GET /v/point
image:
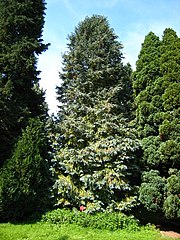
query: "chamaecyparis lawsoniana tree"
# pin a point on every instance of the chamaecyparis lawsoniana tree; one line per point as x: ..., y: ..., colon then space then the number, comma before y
x: 96, y: 154
x: 26, y: 179
x: 157, y: 98
x: 21, y: 24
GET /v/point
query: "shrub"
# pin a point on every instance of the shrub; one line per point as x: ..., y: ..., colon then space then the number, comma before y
x: 104, y: 221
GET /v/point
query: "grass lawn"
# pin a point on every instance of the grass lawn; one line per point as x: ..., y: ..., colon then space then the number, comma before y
x: 46, y: 231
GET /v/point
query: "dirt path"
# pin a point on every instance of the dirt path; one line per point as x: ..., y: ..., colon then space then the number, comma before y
x: 170, y: 234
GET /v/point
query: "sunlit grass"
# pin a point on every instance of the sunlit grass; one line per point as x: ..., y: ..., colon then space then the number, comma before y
x: 44, y: 231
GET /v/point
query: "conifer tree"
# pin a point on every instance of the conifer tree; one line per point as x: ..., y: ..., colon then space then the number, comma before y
x: 157, y: 119
x: 26, y: 178
x: 21, y: 24
x: 147, y: 71
x: 95, y: 158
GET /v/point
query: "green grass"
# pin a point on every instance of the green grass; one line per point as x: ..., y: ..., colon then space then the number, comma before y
x: 46, y: 231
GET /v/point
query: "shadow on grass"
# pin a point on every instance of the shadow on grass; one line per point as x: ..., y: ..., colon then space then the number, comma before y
x: 30, y: 219
x: 157, y: 219
x: 64, y: 238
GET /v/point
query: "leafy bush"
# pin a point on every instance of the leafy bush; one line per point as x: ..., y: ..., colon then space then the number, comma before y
x: 104, y: 221
x: 172, y: 201
x: 151, y: 192
x: 160, y: 194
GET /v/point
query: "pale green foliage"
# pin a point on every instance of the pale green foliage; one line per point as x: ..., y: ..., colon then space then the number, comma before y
x: 104, y: 221
x: 96, y: 156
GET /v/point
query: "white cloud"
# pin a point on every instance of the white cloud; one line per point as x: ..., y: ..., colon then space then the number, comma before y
x: 50, y: 63
x: 132, y: 43
x: 49, y: 67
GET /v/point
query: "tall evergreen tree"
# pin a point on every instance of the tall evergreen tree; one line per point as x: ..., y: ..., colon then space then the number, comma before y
x: 157, y: 119
x: 21, y: 24
x: 95, y: 159
x: 147, y: 71
x: 26, y: 178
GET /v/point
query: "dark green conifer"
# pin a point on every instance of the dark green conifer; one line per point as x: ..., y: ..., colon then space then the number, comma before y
x: 21, y: 24
x: 26, y: 178
x: 157, y: 98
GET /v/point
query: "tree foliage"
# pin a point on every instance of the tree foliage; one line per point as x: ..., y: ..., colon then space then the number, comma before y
x: 21, y: 24
x: 26, y: 178
x: 95, y: 158
x: 156, y: 91
x: 95, y: 145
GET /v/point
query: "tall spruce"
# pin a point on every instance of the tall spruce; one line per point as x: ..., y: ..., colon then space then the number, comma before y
x: 157, y: 98
x: 95, y: 158
x: 21, y: 24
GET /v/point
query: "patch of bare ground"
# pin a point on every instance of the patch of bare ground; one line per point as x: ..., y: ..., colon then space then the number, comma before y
x: 170, y: 234
x: 171, y: 230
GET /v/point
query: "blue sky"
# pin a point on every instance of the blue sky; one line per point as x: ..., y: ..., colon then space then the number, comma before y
x: 130, y: 19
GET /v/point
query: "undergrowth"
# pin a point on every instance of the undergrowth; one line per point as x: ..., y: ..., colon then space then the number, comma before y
x: 103, y: 221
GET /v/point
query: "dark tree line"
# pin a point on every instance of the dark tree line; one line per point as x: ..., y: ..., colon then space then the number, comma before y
x: 21, y: 24
x: 25, y: 178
